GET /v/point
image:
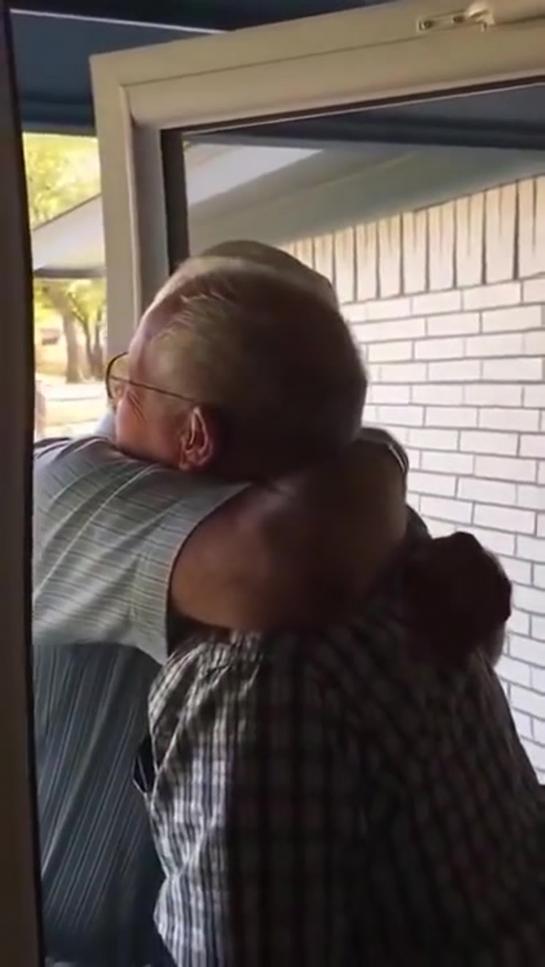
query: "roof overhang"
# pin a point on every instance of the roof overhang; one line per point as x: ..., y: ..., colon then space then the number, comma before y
x: 278, y: 194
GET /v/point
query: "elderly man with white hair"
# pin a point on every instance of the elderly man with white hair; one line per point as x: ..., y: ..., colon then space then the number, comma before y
x: 295, y: 776
x: 129, y: 551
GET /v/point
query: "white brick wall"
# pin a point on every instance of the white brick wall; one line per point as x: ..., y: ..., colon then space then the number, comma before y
x: 455, y: 345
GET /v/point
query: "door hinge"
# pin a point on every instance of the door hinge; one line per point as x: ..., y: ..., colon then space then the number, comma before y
x: 484, y: 13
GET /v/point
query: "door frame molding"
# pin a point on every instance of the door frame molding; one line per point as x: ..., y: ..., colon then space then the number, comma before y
x: 359, y: 57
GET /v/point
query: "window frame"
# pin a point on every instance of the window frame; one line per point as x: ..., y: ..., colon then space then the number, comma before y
x: 364, y: 57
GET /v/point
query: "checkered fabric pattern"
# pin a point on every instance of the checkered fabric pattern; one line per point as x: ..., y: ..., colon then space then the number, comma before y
x: 326, y: 800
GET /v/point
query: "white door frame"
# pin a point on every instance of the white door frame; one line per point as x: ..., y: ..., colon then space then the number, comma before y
x: 356, y: 57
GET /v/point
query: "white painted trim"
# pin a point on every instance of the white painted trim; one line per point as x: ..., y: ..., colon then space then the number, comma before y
x: 354, y: 57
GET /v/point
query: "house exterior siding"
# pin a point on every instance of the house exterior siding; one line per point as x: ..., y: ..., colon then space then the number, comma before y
x: 448, y: 307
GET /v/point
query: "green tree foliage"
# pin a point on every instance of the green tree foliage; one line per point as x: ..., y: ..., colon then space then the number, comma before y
x: 62, y: 172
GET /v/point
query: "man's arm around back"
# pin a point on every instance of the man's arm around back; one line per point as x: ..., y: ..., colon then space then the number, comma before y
x: 303, y: 552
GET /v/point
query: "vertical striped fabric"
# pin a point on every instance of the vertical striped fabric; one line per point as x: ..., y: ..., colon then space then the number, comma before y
x: 106, y: 532
x: 100, y: 874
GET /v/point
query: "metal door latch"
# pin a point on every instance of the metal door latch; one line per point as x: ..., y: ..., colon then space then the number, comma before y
x: 484, y: 13
x: 441, y: 21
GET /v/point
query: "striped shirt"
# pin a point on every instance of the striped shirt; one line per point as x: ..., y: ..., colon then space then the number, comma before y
x: 106, y: 533
x: 326, y: 800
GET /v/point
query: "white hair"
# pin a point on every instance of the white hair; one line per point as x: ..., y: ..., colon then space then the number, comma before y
x: 230, y: 256
x: 267, y: 346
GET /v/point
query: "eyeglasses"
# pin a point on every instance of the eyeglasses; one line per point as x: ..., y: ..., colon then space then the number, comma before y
x: 117, y: 378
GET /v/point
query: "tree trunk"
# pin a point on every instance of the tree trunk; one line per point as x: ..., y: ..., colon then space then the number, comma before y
x: 85, y: 325
x: 73, y: 370
x: 93, y: 348
x: 98, y: 352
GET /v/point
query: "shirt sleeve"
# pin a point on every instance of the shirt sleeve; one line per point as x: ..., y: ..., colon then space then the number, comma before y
x: 253, y: 812
x: 107, y: 531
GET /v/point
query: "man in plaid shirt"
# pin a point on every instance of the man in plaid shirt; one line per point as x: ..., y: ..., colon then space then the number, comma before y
x: 357, y: 795
x: 330, y: 799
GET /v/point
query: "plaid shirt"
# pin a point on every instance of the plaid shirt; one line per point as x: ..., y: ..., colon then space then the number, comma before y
x: 324, y: 800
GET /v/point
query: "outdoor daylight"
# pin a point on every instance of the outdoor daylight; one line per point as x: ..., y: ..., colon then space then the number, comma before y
x: 69, y: 303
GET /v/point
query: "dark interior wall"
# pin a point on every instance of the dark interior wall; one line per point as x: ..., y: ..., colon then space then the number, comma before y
x: 199, y: 14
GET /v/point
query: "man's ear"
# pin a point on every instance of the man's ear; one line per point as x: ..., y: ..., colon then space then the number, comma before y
x: 198, y: 441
